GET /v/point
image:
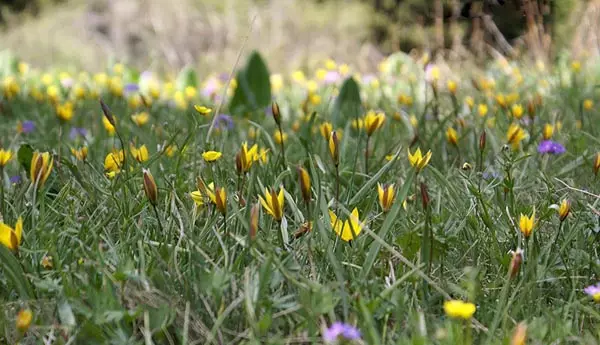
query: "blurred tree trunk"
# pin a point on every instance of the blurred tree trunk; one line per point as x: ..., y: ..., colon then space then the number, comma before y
x: 477, y: 42
x: 438, y: 9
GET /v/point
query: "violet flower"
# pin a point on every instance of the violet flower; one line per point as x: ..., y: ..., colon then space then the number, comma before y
x: 594, y: 291
x: 224, y: 121
x: 552, y: 147
x: 340, y: 331
x: 77, y: 132
x: 26, y: 127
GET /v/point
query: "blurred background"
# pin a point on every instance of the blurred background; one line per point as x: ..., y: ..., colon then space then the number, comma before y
x: 166, y: 35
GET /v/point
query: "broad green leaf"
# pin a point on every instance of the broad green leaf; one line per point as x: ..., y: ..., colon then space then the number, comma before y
x: 24, y: 156
x: 348, y: 104
x: 253, y: 89
x: 11, y: 269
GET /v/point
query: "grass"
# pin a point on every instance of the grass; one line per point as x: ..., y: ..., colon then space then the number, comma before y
x: 99, y: 264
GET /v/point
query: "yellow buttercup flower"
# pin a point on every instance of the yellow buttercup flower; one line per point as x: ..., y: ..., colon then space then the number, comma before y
x: 517, y: 110
x: 211, y: 156
x: 114, y: 161
x: 41, y: 167
x: 273, y: 203
x: 526, y: 224
x: 515, y: 135
x: 459, y: 310
x: 386, y: 196
x: 24, y: 318
x: 452, y: 86
x: 417, y: 159
x: 202, y: 110
x: 190, y: 92
x: 482, y: 109
x: 588, y: 104
x: 280, y: 137
x: 5, y: 157
x: 140, y: 119
x: 452, y: 136
x: 80, y: 154
x: 470, y: 102
x: 9, y: 237
x: 64, y: 111
x: 373, y: 121
x: 349, y: 229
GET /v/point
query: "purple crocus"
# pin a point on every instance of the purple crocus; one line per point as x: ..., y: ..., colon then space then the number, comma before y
x: 131, y: 88
x: 224, y: 121
x: 552, y: 147
x: 26, y: 127
x: 340, y: 331
x: 594, y: 291
x: 15, y: 179
x: 77, y: 132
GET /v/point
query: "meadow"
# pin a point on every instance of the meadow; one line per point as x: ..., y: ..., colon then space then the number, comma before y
x: 421, y: 204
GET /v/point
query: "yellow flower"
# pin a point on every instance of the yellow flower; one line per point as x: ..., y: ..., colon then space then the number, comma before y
x: 221, y: 200
x: 519, y: 336
x: 140, y: 119
x: 211, y: 156
x: 41, y: 167
x: 564, y: 209
x: 276, y: 82
x: 357, y: 123
x: 245, y: 157
x: 299, y: 77
x: 576, y: 66
x: 190, y: 92
x: 334, y: 149
x: 262, y: 156
x: 114, y: 161
x: 79, y: 92
x: 588, y: 104
x: 204, y: 192
x: 24, y: 318
x: 452, y: 86
x: 5, y: 157
x: 597, y: 163
x: 64, y: 111
x: 140, y: 154
x: 459, y: 310
x: 53, y: 93
x: 116, y: 86
x: 170, y: 150
x: 109, y: 126
x: 526, y: 224
x: 326, y: 128
x: 413, y: 121
x: 386, y: 195
x: 315, y: 99
x: 304, y: 183
x: 373, y: 121
x: 501, y: 100
x: 80, y: 154
x: 417, y: 159
x: 273, y: 203
x: 470, y: 102
x: 406, y: 100
x: 9, y: 237
x: 452, y: 136
x: 517, y: 110
x: 202, y: 110
x: 515, y: 135
x: 482, y: 109
x: 548, y: 131
x: 349, y: 229
x: 312, y: 86
x: 279, y: 137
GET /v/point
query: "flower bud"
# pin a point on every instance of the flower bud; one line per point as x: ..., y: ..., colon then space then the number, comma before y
x: 482, y: 141
x: 564, y: 209
x: 515, y: 263
x: 254, y: 221
x: 150, y: 187
x: 276, y: 113
x: 304, y: 184
x: 24, y: 318
x: 107, y: 113
x: 221, y: 200
x: 424, y: 195
x: 334, y: 148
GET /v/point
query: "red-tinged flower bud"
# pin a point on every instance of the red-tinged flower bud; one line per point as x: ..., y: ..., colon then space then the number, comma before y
x: 276, y: 113
x: 482, y: 141
x: 238, y: 163
x: 424, y: 195
x: 107, y: 113
x: 221, y: 200
x: 334, y: 148
x: 304, y: 183
x: 150, y: 187
x: 515, y: 263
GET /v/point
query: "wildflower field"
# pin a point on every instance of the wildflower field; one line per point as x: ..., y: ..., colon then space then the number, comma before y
x: 421, y: 204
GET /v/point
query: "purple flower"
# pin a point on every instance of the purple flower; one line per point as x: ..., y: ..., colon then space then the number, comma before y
x: 340, y: 331
x: 77, y: 132
x: 552, y: 147
x: 26, y: 127
x: 15, y: 179
x: 331, y: 77
x: 224, y: 121
x: 594, y: 291
x: 210, y: 88
x: 131, y: 88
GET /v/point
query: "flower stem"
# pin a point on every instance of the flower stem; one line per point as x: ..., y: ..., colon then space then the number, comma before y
x: 367, y: 156
x: 282, y: 147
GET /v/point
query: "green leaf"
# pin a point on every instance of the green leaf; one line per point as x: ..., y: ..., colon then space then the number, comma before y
x: 187, y: 77
x: 348, y: 104
x: 387, y: 225
x: 253, y: 86
x: 24, y: 156
x: 11, y: 268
